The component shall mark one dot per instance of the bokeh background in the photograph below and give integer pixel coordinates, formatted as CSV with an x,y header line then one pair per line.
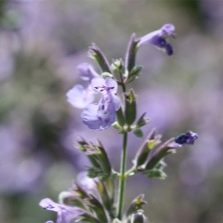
x,y
42,42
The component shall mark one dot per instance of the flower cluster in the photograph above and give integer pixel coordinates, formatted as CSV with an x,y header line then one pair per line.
x,y
100,114
101,201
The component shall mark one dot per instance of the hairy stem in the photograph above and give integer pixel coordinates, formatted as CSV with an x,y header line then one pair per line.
x,y
122,177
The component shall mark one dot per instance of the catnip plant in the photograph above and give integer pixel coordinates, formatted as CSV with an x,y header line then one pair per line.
x,y
99,197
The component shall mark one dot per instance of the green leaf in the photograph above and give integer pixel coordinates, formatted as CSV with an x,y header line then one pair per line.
x,y
96,54
142,121
69,198
120,117
151,140
155,173
106,196
134,73
130,57
92,202
100,164
130,107
160,152
138,132
136,204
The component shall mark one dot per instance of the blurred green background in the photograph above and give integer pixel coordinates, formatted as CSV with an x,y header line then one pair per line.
x,y
42,42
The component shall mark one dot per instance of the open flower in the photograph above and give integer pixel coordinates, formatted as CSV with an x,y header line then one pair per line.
x,y
99,115
102,115
79,96
158,38
65,214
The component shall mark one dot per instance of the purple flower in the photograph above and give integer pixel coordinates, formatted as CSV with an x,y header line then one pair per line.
x,y
65,214
102,115
99,115
186,138
158,38
79,96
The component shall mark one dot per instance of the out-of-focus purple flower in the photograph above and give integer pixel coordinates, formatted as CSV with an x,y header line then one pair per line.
x,y
158,38
87,72
79,96
86,183
65,214
186,138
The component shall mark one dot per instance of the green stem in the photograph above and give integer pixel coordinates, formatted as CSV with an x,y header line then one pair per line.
x,y
122,178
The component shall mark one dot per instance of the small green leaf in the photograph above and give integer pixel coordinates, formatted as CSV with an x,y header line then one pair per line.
x,y
142,121
144,150
96,54
138,132
136,204
160,152
100,164
130,57
130,107
156,173
134,73
120,117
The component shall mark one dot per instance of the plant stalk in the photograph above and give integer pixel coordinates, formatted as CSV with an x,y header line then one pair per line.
x,y
122,177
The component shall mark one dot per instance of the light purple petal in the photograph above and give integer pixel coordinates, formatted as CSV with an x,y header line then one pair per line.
x,y
49,205
117,102
106,111
168,30
98,85
149,37
101,85
80,97
90,118
87,72
65,214
112,85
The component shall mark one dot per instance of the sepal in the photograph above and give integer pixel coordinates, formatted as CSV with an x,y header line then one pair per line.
x,y
120,117
98,158
96,54
130,107
134,73
152,140
157,171
130,57
136,204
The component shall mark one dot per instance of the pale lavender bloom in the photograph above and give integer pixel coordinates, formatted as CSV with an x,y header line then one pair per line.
x,y
102,115
90,118
87,72
65,214
158,38
79,96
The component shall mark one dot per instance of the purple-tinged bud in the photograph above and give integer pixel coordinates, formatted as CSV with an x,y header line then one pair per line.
x,y
186,138
158,38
